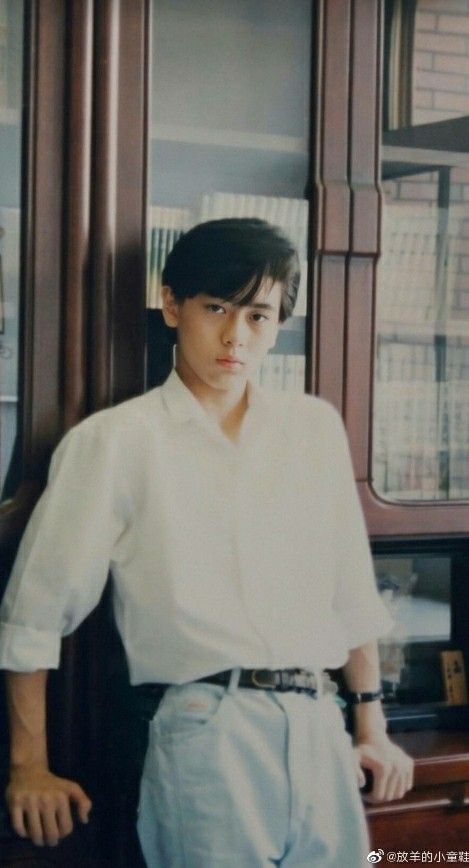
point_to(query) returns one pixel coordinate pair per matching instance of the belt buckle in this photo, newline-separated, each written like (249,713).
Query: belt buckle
(255,680)
(311,684)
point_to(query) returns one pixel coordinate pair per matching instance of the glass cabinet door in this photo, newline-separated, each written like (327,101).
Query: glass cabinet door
(11,70)
(421,394)
(229,115)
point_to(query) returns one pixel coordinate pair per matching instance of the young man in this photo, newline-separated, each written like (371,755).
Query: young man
(241,571)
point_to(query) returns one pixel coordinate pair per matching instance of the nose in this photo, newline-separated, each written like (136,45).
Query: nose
(234,330)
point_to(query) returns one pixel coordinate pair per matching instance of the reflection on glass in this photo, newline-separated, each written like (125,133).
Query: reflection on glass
(440,79)
(417,592)
(230,135)
(11,29)
(421,398)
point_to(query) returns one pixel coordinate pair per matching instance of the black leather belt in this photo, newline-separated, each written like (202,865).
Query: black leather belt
(146,697)
(299,680)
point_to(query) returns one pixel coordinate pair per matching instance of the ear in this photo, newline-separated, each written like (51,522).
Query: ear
(170,307)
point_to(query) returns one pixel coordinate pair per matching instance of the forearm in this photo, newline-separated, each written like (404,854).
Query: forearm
(362,675)
(390,767)
(26,697)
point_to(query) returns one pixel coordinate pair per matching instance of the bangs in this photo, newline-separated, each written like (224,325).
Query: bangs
(231,259)
(247,292)
(244,295)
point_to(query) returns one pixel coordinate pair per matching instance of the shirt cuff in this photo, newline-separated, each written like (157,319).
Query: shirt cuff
(25,649)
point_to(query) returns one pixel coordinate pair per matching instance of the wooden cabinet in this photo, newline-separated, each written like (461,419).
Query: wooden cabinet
(434,816)
(88,143)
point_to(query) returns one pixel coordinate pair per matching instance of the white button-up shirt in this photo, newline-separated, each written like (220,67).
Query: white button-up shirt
(252,554)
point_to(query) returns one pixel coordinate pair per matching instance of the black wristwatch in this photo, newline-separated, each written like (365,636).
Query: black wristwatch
(353,698)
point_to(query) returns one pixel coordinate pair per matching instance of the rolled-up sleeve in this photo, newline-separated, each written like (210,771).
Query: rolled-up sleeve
(362,613)
(64,556)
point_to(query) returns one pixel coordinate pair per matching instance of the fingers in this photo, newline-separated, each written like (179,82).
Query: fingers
(392,772)
(46,816)
(82,802)
(361,777)
(64,818)
(17,821)
(389,783)
(43,820)
(34,825)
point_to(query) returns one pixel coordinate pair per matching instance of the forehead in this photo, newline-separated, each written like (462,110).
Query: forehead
(269,293)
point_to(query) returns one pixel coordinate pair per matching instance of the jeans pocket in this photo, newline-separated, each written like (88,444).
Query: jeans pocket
(187,711)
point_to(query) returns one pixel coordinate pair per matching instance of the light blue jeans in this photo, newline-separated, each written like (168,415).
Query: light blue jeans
(242,778)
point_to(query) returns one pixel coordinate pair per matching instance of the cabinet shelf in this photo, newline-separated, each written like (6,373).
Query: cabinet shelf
(229,138)
(451,329)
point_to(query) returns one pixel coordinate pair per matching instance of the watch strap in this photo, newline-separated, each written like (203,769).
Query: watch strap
(354,698)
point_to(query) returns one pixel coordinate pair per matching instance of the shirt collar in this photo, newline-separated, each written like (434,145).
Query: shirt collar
(183,406)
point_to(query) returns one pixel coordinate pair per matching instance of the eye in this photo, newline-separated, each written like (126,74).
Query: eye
(215,308)
(259,317)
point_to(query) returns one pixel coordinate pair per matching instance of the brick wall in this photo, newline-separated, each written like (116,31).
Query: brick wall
(441,61)
(440,92)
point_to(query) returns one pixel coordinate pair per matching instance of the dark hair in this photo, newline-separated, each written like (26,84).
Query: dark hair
(230,258)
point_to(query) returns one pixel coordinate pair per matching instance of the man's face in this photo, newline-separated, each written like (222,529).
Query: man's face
(220,344)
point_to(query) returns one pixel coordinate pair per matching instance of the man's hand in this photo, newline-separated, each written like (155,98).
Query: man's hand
(392,770)
(40,804)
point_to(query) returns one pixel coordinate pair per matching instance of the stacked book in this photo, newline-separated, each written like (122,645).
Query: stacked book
(166,226)
(408,266)
(282,373)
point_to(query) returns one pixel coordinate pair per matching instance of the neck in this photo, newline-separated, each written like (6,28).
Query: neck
(227,406)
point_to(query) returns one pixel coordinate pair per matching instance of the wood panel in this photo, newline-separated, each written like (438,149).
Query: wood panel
(78,132)
(347,153)
(435,814)
(365,129)
(331,194)
(119,202)
(41,258)
(358,355)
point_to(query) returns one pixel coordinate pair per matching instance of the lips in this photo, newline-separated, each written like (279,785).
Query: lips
(230,364)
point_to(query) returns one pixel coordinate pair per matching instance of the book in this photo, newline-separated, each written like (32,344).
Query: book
(454,677)
(166,225)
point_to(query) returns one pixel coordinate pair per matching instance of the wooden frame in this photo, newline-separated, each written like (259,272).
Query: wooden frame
(41,256)
(346,244)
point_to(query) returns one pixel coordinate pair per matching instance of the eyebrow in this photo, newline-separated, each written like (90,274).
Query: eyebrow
(261,305)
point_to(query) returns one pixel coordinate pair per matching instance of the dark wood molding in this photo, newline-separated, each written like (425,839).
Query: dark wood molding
(365,129)
(434,814)
(330,329)
(332,178)
(77,207)
(119,202)
(385,518)
(103,203)
(358,354)
(128,357)
(330,217)
(41,254)
(44,191)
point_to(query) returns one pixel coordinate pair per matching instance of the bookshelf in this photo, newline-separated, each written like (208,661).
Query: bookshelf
(229,137)
(236,139)
(95,361)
